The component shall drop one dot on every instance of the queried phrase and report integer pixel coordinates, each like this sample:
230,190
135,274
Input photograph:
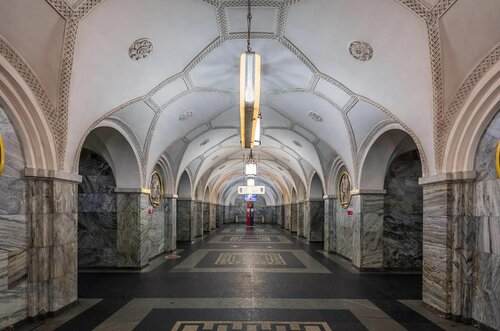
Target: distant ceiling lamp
251,166
256,140
249,90
250,182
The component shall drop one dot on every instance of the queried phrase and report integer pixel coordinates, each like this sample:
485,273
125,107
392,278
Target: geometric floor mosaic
250,326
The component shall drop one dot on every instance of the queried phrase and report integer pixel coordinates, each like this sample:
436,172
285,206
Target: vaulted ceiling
319,102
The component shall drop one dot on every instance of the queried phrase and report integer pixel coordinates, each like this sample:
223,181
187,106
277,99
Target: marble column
186,230
288,216
279,215
52,247
293,217
213,216
133,221
368,230
205,206
330,230
307,220
170,203
220,215
198,218
316,223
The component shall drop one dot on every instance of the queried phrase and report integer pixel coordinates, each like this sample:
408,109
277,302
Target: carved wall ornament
315,116
2,155
497,158
156,188
185,115
361,50
140,49
344,190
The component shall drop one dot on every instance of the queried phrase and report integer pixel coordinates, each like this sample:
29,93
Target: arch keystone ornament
2,155
344,190
156,187
497,160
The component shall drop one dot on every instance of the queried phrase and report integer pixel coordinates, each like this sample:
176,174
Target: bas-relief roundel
344,190
498,159
2,155
156,190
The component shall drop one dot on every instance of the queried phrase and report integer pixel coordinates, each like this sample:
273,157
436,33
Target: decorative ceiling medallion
297,143
185,115
2,155
315,116
156,188
497,158
361,50
344,190
140,49
204,142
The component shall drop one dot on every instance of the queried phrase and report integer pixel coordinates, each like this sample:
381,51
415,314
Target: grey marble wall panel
170,205
344,230
330,229
269,215
157,231
206,216
185,231
293,217
369,223
220,215
317,221
403,212
14,229
307,220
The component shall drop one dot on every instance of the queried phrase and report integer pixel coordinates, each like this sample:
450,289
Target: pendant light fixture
250,166
249,90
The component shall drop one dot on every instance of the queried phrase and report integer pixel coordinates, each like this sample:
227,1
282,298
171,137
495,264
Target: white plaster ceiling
306,67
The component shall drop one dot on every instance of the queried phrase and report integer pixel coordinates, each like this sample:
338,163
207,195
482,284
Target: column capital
460,176
52,174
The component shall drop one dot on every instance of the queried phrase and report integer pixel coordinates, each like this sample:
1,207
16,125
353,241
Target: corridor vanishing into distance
238,279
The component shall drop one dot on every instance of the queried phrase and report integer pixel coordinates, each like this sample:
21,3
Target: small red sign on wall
150,210
350,212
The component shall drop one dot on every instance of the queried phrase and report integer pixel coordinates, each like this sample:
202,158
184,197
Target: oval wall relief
498,159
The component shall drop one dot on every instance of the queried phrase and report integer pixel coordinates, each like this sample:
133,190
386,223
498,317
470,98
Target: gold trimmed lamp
250,166
249,91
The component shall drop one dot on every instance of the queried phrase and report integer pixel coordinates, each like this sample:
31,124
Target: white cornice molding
52,174
461,176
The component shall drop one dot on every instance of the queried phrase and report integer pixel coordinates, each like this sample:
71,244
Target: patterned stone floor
266,280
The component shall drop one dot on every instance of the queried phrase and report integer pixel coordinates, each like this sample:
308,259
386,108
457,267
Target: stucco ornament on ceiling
185,115
140,49
315,116
156,190
361,50
297,143
204,142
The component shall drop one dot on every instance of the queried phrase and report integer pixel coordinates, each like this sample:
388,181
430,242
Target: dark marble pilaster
220,215
344,229
300,219
205,210
213,216
316,211
330,244
198,217
293,217
185,221
52,251
288,216
368,232
170,204
133,241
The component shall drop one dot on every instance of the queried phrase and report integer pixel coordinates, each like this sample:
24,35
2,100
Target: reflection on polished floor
280,284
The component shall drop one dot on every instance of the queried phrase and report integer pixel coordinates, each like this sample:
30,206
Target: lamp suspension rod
249,24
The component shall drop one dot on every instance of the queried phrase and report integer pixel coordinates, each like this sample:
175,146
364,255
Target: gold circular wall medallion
498,159
344,190
2,155
156,190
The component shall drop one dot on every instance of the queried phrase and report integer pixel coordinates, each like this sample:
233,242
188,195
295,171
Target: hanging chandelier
250,166
249,92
